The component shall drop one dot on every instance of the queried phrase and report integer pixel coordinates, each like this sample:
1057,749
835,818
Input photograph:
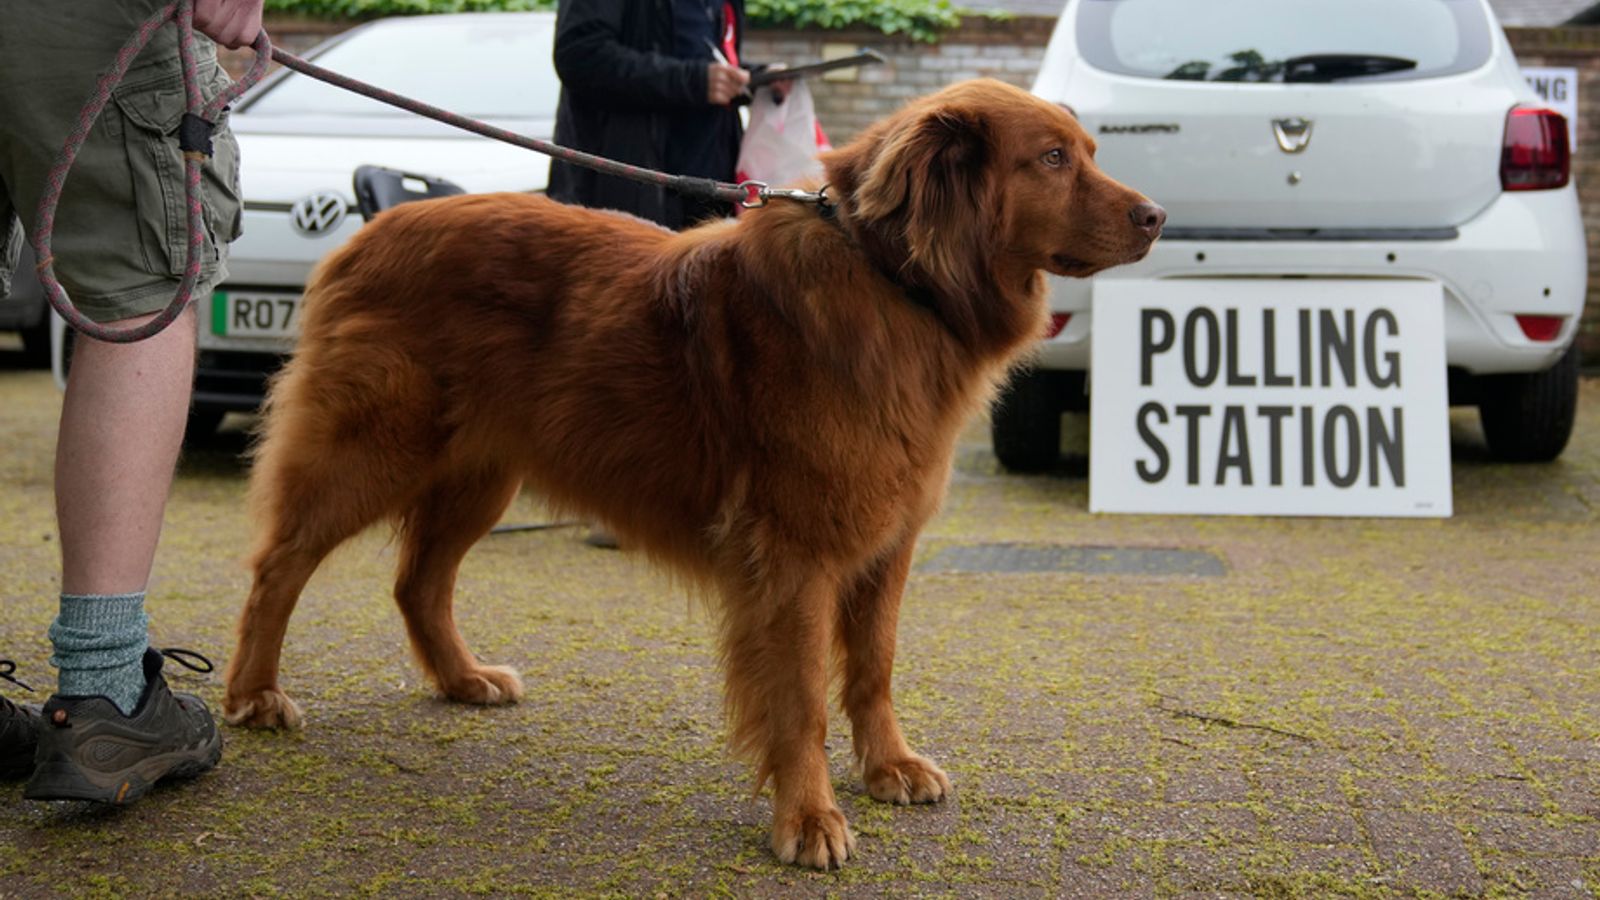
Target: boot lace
189,659
7,708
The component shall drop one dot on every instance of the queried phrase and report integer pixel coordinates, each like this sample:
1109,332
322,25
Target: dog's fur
767,405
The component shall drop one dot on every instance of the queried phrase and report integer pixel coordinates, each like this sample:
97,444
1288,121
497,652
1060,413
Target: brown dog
768,406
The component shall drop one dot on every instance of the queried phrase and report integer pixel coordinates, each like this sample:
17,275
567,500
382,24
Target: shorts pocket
151,112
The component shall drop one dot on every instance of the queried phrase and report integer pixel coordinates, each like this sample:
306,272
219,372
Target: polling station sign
1557,86
1269,397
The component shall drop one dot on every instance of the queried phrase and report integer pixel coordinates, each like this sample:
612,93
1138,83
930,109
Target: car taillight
1535,155
1058,321
1541,328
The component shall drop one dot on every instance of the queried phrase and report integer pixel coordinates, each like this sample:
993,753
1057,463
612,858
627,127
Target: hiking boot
19,730
90,750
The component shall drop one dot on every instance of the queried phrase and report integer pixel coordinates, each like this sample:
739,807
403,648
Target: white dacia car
1302,139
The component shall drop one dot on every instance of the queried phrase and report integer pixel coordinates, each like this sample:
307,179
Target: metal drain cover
1084,560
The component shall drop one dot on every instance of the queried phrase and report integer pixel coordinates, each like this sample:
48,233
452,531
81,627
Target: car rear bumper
233,381
1524,254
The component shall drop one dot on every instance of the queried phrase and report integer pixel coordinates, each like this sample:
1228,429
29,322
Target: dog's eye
1053,159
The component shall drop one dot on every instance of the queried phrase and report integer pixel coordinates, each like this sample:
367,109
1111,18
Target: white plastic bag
782,140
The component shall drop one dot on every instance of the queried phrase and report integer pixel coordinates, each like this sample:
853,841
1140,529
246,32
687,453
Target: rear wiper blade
1339,66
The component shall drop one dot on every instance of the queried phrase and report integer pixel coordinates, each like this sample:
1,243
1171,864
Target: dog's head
983,184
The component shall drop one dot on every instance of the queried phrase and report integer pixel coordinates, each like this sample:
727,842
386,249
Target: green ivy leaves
920,20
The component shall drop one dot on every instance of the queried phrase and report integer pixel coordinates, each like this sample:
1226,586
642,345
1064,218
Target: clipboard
865,57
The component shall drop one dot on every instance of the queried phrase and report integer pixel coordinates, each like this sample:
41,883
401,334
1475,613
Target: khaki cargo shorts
122,232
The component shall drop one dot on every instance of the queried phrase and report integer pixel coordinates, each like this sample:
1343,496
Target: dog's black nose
1148,218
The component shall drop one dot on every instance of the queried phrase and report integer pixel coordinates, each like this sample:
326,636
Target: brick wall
1012,49
292,34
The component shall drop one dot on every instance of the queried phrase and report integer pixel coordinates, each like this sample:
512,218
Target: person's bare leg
121,430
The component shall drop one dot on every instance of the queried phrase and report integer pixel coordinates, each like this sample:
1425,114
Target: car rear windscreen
1284,41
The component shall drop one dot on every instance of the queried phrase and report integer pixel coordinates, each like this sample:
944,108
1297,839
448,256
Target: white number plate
247,314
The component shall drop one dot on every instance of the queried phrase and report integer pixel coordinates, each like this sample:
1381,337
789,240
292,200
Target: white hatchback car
301,141
1382,139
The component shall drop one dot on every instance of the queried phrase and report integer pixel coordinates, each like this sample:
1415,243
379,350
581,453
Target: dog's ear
929,180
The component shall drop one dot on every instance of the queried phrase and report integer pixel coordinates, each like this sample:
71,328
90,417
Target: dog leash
194,140
746,194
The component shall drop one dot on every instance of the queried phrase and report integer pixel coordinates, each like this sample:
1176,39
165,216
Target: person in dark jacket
652,83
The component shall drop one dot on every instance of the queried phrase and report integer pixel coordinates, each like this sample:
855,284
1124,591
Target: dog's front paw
264,708
909,779
485,685
819,838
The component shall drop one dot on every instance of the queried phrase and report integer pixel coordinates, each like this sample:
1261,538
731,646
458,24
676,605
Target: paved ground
1307,708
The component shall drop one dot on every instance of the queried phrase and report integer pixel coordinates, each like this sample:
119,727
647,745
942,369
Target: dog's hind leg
868,619
311,505
776,636
253,697
447,519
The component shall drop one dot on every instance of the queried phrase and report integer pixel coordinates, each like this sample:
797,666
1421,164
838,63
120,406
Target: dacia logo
1293,135
318,214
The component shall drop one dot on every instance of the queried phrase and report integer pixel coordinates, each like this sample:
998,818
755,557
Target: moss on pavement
1357,707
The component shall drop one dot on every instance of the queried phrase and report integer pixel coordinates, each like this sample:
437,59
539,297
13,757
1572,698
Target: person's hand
231,23
724,83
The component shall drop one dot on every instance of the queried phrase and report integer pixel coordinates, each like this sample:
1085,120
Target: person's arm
231,23
594,64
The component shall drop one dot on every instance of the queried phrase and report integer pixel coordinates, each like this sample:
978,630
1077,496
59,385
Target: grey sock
99,647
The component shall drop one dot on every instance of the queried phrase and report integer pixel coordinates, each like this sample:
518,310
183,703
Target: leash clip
757,194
